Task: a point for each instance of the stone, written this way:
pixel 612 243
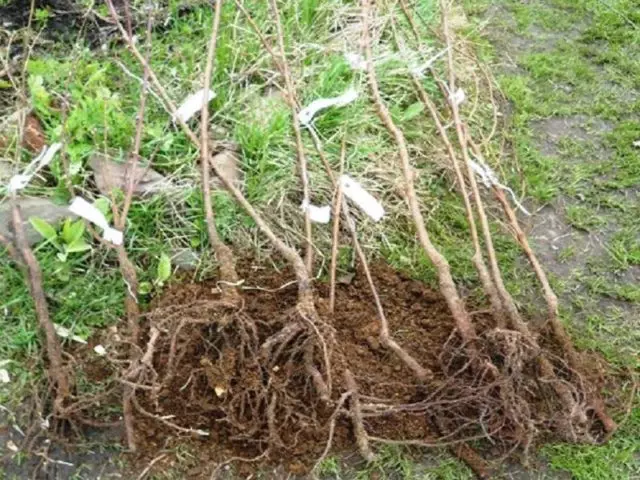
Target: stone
pixel 227 162
pixel 185 259
pixel 32 207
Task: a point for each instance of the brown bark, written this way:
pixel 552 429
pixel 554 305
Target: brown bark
pixel 223 253
pixel 34 278
pixel 447 285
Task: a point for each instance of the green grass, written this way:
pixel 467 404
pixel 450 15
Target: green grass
pixel 574 76
pixel 617 459
pixel 580 64
pixel 398 464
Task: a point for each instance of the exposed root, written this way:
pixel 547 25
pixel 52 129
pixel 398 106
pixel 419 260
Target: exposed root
pixel 475 462
pixel 362 439
pixel 314 373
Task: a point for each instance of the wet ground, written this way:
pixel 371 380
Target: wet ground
pixel 553 233
pixel 574 232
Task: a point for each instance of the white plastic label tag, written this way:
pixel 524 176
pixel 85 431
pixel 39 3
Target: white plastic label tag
pixel 64 332
pixel 307 113
pixel 193 104
pixel 363 199
pixel 18 182
pixel 355 61
pixel 458 97
pixel 84 209
pixel 317 214
pixel 490 179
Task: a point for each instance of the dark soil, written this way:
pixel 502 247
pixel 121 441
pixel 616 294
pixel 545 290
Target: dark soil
pixel 418 317
pixel 215 386
pixel 66 20
pixel 212 375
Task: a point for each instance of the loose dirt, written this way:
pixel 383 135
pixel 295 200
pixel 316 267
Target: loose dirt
pixel 213 386
pixel 418 316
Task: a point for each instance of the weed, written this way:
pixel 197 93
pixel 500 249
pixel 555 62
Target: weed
pixel 576 64
pixel 617 459
pixel 575 77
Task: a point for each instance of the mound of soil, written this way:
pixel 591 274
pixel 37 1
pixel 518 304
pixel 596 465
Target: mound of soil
pixel 240 382
pixel 418 317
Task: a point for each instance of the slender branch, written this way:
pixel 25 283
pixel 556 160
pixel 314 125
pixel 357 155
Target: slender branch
pixel 34 273
pixel 447 285
pixel 131 173
pixel 228 273
pixel 337 208
pixel 302 161
pixel 127 268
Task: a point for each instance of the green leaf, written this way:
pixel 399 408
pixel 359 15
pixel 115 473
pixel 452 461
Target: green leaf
pixel 102 204
pixel 43 228
pixel 412 111
pixel 72 231
pixel 42 14
pixel 144 288
pixel 39 94
pixel 164 268
pixel 78 245
pixel 66 231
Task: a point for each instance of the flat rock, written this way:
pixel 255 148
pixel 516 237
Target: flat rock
pixel 185 259
pixel 32 207
pixel 110 175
